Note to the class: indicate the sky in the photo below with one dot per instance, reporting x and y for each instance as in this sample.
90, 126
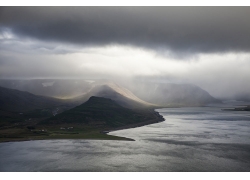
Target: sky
205, 46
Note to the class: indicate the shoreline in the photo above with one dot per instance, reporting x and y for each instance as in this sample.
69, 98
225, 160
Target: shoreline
104, 133
161, 119
42, 139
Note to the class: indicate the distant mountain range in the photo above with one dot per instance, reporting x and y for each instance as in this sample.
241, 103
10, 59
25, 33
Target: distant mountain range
58, 88
132, 95
169, 94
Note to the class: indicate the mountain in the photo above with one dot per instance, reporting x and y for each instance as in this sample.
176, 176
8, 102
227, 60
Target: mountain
59, 88
130, 95
169, 94
18, 101
98, 111
77, 91
119, 94
89, 120
244, 96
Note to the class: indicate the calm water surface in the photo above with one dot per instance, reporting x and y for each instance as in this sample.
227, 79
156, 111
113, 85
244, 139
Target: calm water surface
191, 139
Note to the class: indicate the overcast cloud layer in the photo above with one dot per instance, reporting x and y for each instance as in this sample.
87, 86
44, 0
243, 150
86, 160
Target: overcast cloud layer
189, 29
206, 46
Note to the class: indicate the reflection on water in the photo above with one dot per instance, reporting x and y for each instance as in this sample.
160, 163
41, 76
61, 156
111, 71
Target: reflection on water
191, 139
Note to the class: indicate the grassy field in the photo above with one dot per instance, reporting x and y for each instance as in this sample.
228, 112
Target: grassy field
25, 134
23, 127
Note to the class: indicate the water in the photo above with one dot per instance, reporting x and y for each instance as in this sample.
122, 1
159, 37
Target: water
191, 139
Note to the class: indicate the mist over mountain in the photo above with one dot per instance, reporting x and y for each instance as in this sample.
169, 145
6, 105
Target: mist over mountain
77, 90
131, 94
121, 95
242, 97
24, 116
205, 46
20, 101
170, 94
60, 88
77, 73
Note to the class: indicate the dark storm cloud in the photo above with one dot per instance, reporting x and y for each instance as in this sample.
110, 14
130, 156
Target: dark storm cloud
181, 29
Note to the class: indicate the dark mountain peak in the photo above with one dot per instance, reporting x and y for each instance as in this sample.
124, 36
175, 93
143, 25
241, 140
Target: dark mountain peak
99, 100
95, 102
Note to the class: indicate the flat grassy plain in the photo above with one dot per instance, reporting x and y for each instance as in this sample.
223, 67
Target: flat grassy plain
20, 134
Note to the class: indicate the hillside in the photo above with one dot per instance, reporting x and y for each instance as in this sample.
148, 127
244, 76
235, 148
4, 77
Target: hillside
19, 101
131, 95
86, 121
119, 94
59, 88
103, 112
78, 91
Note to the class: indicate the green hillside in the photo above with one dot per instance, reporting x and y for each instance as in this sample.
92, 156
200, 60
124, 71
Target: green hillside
86, 121
104, 112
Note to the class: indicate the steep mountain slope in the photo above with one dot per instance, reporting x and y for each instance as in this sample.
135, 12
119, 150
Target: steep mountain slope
77, 91
19, 101
135, 95
59, 88
169, 94
119, 94
98, 111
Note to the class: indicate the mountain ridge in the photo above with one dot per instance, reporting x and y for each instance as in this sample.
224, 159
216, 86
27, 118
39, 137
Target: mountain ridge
19, 101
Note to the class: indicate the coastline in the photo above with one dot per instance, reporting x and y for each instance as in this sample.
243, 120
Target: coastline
115, 138
160, 119
96, 135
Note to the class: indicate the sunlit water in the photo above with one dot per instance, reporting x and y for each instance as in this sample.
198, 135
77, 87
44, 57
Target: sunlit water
191, 139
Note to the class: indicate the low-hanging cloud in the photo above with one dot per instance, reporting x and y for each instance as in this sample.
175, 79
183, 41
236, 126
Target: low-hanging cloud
130, 43
179, 29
